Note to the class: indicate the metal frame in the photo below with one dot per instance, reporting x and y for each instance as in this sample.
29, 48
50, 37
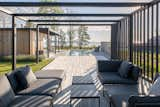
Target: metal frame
131, 38
74, 4
144, 43
68, 15
157, 39
37, 40
73, 20
148, 25
152, 47
48, 43
14, 37
75, 24
37, 44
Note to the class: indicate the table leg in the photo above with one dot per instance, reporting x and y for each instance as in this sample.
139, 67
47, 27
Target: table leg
99, 102
70, 102
103, 90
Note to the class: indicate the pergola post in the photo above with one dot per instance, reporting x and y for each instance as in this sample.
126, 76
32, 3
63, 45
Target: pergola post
14, 37
131, 38
37, 44
55, 44
58, 43
48, 43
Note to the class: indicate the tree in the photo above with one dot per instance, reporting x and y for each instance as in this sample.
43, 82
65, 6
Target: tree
83, 36
49, 9
71, 33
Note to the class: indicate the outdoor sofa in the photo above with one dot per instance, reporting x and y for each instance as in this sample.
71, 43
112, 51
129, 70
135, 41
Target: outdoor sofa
122, 89
9, 99
133, 95
26, 86
118, 72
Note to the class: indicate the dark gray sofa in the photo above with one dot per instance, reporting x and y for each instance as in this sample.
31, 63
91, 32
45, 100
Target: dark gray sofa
119, 94
108, 73
37, 86
9, 99
123, 93
134, 96
133, 100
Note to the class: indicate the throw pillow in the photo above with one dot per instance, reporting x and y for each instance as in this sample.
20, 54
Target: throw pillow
124, 69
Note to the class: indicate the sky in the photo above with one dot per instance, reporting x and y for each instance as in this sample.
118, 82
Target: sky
97, 34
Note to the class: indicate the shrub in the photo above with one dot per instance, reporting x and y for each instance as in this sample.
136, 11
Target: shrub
22, 58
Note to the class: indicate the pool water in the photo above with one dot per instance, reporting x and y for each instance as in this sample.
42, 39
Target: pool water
79, 52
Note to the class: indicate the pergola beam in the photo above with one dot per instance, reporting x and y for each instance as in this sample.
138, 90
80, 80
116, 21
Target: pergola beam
74, 24
68, 15
73, 20
74, 4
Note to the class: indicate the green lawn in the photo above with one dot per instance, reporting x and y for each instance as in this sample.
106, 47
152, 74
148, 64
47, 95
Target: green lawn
6, 66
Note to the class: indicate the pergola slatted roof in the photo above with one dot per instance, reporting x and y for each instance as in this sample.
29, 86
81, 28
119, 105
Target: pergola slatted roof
69, 15
75, 4
122, 8
72, 20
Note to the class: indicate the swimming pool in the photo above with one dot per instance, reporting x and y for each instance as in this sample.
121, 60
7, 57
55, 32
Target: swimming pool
79, 52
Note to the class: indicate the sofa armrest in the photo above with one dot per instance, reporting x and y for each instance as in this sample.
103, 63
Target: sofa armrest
143, 101
108, 66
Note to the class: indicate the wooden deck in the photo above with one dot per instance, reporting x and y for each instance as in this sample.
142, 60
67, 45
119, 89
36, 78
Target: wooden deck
76, 66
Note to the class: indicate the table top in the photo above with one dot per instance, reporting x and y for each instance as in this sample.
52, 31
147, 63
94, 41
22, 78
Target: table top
82, 80
101, 58
84, 91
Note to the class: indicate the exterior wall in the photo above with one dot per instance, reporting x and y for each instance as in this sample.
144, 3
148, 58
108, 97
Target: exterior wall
23, 42
5, 43
26, 42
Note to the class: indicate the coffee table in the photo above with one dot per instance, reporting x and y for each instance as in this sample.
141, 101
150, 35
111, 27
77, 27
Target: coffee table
82, 80
88, 91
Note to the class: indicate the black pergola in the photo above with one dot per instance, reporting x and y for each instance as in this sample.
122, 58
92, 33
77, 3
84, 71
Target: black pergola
129, 27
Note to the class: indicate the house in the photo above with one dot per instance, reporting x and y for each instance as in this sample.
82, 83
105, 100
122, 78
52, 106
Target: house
26, 41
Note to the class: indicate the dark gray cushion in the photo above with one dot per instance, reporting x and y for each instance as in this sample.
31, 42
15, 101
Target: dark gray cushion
12, 79
119, 89
135, 73
6, 92
124, 69
108, 66
29, 75
21, 79
25, 77
53, 74
120, 100
144, 101
114, 78
31, 101
42, 87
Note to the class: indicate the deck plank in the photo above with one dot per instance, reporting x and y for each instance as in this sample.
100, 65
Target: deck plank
76, 66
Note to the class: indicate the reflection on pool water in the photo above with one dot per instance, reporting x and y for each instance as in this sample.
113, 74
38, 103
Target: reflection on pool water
79, 52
